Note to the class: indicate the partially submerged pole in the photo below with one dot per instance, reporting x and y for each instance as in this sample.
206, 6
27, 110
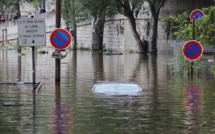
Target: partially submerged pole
2, 37
193, 37
58, 25
33, 68
5, 37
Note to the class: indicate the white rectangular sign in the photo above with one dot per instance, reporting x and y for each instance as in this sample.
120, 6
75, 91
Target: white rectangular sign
31, 32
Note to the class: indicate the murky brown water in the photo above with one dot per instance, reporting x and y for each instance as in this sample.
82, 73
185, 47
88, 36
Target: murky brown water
169, 103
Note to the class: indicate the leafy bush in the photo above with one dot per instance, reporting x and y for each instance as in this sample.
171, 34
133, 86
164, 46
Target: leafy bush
204, 33
204, 27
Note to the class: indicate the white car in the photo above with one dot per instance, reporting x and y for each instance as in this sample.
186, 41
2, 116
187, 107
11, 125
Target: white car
117, 88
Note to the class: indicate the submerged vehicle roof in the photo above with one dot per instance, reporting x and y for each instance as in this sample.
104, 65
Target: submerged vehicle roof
116, 88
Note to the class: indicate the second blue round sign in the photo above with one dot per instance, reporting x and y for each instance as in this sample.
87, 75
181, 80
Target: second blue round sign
196, 14
60, 38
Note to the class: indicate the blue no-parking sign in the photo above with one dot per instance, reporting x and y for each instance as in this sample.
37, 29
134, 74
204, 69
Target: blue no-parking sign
196, 14
60, 38
192, 50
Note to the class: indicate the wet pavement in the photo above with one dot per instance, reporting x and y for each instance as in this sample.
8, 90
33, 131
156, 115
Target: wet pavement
169, 103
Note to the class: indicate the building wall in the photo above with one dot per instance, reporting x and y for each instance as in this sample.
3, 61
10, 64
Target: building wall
117, 33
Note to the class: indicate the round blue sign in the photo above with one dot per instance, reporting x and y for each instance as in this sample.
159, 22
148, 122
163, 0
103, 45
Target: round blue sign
60, 38
196, 14
192, 50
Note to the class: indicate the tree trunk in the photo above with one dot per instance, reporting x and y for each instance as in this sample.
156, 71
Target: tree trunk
74, 26
18, 8
141, 48
74, 35
128, 11
97, 32
66, 13
19, 48
153, 33
98, 66
58, 25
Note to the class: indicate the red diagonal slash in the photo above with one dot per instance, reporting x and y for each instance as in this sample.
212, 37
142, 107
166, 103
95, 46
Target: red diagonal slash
60, 38
192, 50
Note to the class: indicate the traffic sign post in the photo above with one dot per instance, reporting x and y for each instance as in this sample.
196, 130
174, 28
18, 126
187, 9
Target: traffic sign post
196, 14
31, 32
192, 50
57, 25
60, 39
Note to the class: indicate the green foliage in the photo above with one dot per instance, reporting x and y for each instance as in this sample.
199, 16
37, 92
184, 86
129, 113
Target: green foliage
37, 3
155, 5
182, 27
207, 27
66, 11
129, 7
183, 65
81, 46
104, 47
6, 5
84, 9
137, 6
204, 33
9, 6
204, 27
212, 69
94, 8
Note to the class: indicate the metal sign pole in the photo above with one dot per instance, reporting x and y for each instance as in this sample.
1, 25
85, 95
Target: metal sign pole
193, 31
33, 68
32, 33
2, 37
58, 24
5, 37
195, 15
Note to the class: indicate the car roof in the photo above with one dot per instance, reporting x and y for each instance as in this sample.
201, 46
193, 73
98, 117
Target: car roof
116, 88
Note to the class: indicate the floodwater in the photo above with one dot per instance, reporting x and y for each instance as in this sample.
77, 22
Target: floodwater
170, 103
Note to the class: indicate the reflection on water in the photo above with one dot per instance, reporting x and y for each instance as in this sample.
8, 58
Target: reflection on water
193, 107
34, 112
168, 103
61, 115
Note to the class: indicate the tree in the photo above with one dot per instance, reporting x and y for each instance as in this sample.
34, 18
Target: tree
97, 10
74, 25
98, 27
130, 8
155, 6
69, 15
12, 5
5, 4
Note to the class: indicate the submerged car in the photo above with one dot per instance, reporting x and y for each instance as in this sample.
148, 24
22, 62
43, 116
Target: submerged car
117, 88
